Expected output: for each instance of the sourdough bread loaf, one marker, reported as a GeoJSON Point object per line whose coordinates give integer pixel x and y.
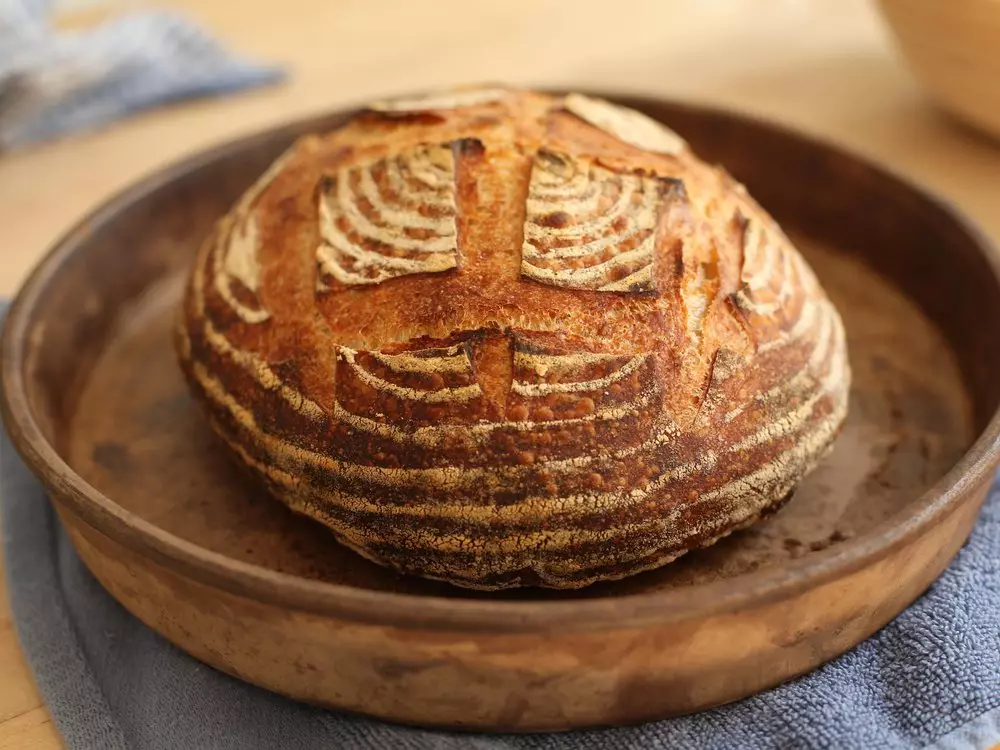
{"type": "Point", "coordinates": [502, 338]}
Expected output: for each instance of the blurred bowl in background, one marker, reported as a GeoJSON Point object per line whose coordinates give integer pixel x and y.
{"type": "Point", "coordinates": [953, 48]}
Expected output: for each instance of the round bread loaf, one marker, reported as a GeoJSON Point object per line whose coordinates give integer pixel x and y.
{"type": "Point", "coordinates": [501, 338]}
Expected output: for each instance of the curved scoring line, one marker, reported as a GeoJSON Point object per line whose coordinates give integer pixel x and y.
{"type": "Point", "coordinates": [432, 435]}
{"type": "Point", "coordinates": [788, 285]}
{"type": "Point", "coordinates": [250, 362]}
{"type": "Point", "coordinates": [238, 217]}
{"type": "Point", "coordinates": [262, 374]}
{"type": "Point", "coordinates": [788, 422]}
{"type": "Point", "coordinates": [390, 235]}
{"type": "Point", "coordinates": [592, 248]}
{"type": "Point", "coordinates": [801, 378]}
{"type": "Point", "coordinates": [764, 276]}
{"type": "Point", "coordinates": [589, 202]}
{"type": "Point", "coordinates": [644, 219]}
{"type": "Point", "coordinates": [643, 215]}
{"type": "Point", "coordinates": [240, 259]}
{"type": "Point", "coordinates": [810, 445]}
{"type": "Point", "coordinates": [422, 167]}
{"type": "Point", "coordinates": [830, 334]}
{"type": "Point", "coordinates": [404, 185]}
{"type": "Point", "coordinates": [588, 504]}
{"type": "Point", "coordinates": [562, 363]}
{"type": "Point", "coordinates": [431, 260]}
{"type": "Point", "coordinates": [583, 203]}
{"type": "Point", "coordinates": [807, 316]}
{"type": "Point", "coordinates": [806, 276]}
{"type": "Point", "coordinates": [575, 193]}
{"type": "Point", "coordinates": [330, 265]}
{"type": "Point", "coordinates": [222, 280]}
{"type": "Point", "coordinates": [444, 395]}
{"type": "Point", "coordinates": [763, 309]}
{"type": "Point", "coordinates": [820, 353]}
{"type": "Point", "coordinates": [540, 389]}
{"type": "Point", "coordinates": [395, 217]}
{"type": "Point", "coordinates": [456, 360]}
{"type": "Point", "coordinates": [754, 238]}
{"type": "Point", "coordinates": [551, 183]}
{"type": "Point", "coordinates": [588, 273]}
{"type": "Point", "coordinates": [643, 276]}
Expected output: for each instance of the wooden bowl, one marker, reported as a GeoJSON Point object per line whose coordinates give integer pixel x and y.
{"type": "Point", "coordinates": [96, 404]}
{"type": "Point", "coordinates": [953, 48]}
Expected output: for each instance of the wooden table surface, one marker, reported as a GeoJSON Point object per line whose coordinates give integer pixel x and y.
{"type": "Point", "coordinates": [824, 66]}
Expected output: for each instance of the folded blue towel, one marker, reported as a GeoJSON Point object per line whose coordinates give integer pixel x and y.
{"type": "Point", "coordinates": [54, 83]}
{"type": "Point", "coordinates": [931, 678]}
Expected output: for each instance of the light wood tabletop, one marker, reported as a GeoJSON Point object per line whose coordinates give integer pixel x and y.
{"type": "Point", "coordinates": [826, 67]}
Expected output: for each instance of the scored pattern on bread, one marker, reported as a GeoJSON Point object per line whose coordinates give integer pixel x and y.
{"type": "Point", "coordinates": [625, 124]}
{"type": "Point", "coordinates": [237, 266]}
{"type": "Point", "coordinates": [480, 427]}
{"type": "Point", "coordinates": [391, 218]}
{"type": "Point", "coordinates": [770, 276]}
{"type": "Point", "coordinates": [590, 228]}
{"type": "Point", "coordinates": [442, 100]}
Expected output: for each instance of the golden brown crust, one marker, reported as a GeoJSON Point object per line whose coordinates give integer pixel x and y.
{"type": "Point", "coordinates": [487, 338]}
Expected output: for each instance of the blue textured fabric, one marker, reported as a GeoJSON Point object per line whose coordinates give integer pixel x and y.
{"type": "Point", "coordinates": [929, 678]}
{"type": "Point", "coordinates": [52, 84]}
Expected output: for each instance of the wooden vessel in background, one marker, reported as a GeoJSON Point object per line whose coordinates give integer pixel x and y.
{"type": "Point", "coordinates": [953, 50]}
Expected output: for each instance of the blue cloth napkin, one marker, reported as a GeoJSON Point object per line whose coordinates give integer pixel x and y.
{"type": "Point", "coordinates": [54, 83]}
{"type": "Point", "coordinates": [931, 678]}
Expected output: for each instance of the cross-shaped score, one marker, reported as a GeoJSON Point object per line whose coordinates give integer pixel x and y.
{"type": "Point", "coordinates": [489, 270]}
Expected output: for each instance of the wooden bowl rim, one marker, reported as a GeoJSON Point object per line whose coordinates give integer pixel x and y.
{"type": "Point", "coordinates": [443, 613]}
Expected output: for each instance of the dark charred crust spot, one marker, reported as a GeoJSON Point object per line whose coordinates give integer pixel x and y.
{"type": "Point", "coordinates": [342, 153]}
{"type": "Point", "coordinates": [734, 303]}
{"type": "Point", "coordinates": [672, 188]}
{"type": "Point", "coordinates": [243, 295]}
{"type": "Point", "coordinates": [327, 183]}
{"type": "Point", "coordinates": [556, 220]}
{"type": "Point", "coordinates": [739, 223]}
{"type": "Point", "coordinates": [469, 148]}
{"type": "Point", "coordinates": [640, 289]}
{"type": "Point", "coordinates": [709, 377]}
{"type": "Point", "coordinates": [287, 208]}
{"type": "Point", "coordinates": [777, 505]}
{"type": "Point", "coordinates": [373, 117]}
{"type": "Point", "coordinates": [676, 251]}
{"type": "Point", "coordinates": [484, 121]}
{"type": "Point", "coordinates": [526, 345]}
{"type": "Point", "coordinates": [491, 352]}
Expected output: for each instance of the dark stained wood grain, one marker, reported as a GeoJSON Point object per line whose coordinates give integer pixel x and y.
{"type": "Point", "coordinates": [95, 403]}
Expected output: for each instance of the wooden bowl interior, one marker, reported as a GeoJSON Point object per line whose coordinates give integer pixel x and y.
{"type": "Point", "coordinates": [918, 295]}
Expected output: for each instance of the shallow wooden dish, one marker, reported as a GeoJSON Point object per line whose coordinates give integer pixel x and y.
{"type": "Point", "coordinates": [96, 405]}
